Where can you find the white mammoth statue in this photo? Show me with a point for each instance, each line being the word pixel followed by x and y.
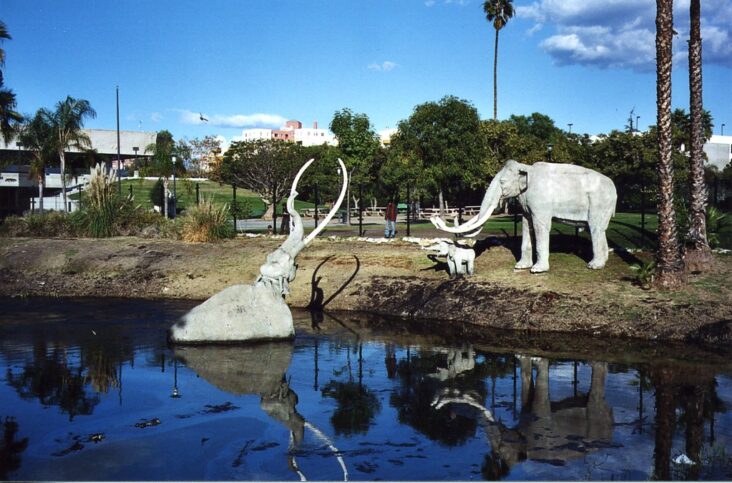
pixel 460 260
pixel 565 192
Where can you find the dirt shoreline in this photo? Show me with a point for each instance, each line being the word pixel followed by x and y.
pixel 394 279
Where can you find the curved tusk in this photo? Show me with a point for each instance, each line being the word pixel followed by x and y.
pixel 468 226
pixel 333 210
pixel 331 446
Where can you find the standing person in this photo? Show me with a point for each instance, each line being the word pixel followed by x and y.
pixel 390 217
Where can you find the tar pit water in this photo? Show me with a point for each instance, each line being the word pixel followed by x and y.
pixel 91 390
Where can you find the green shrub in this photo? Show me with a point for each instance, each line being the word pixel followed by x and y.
pixel 49 224
pixel 645 273
pixel 206 222
pixel 156 193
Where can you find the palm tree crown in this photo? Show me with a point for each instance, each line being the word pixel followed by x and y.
pixel 9 118
pixel 67 120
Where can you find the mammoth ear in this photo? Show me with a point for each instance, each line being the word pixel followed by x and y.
pixel 523 179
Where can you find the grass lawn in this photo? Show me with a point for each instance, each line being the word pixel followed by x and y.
pixel 186 191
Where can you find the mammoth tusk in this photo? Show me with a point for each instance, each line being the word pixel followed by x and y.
pixel 333 210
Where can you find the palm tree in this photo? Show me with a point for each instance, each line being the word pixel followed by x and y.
pixel 669 263
pixel 698 252
pixel 67 121
pixel 162 151
pixel 37 135
pixel 9 118
pixel 498 12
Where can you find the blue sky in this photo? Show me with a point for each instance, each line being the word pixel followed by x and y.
pixel 256 63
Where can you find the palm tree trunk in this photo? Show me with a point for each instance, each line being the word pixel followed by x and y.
pixel 669 262
pixel 698 254
pixel 40 194
pixel 165 197
pixel 495 77
pixel 62 155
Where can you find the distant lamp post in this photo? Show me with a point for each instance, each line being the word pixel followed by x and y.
pixel 637 125
pixel 135 149
pixel 723 124
pixel 549 148
pixel 570 127
pixel 175 193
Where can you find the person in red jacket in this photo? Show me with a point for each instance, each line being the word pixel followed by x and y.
pixel 390 216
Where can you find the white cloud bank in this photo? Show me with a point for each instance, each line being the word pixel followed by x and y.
pixel 621 33
pixel 385 66
pixel 240 121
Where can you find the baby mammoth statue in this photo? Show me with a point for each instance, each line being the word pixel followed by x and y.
pixel 460 260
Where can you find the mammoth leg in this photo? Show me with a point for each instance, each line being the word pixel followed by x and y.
pixel 599 220
pixel 470 264
pixel 542 227
pixel 527 249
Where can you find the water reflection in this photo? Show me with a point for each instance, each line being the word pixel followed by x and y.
pixel 11 447
pixel 385 403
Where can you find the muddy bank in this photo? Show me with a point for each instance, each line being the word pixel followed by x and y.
pixel 394 279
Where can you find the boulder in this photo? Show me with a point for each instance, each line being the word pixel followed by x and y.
pixel 237 313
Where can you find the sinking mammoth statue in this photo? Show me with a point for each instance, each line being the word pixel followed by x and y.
pixel 565 192
pixel 256 312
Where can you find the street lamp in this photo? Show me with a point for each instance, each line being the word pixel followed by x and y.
pixel 636 123
pixel 136 149
pixel 175 194
pixel 549 148
pixel 723 124
pixel 570 127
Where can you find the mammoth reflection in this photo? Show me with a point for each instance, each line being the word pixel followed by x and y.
pixel 551 431
pixel 259 370
pixel 444 395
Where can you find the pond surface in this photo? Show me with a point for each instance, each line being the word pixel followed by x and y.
pixel 90 390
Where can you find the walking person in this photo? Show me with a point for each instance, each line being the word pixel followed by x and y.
pixel 390 216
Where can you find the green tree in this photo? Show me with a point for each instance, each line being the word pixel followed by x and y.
pixel 669 262
pixel 497 12
pixel 37 136
pixel 161 162
pixel 266 167
pixel 67 121
pixel 444 137
pixel 359 146
pixel 9 118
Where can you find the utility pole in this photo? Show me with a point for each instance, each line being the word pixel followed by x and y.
pixel 119 162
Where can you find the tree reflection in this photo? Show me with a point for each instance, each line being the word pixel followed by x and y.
pixel 58 374
pixel 424 377
pixel 357 405
pixel 693 391
pixel 10 448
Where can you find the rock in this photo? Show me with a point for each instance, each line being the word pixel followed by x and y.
pixel 237 313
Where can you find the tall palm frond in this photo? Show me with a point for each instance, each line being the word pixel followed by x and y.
pixel 9 117
pixel 497 12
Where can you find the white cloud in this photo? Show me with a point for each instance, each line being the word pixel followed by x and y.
pixel 156 117
pixel 621 33
pixel 432 3
pixel 385 66
pixel 233 121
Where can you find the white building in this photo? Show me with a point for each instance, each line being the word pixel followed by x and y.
pixel 719 151
pixel 255 134
pixel 292 131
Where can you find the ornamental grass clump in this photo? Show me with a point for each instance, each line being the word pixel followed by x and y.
pixel 49 224
pixel 106 214
pixel 206 223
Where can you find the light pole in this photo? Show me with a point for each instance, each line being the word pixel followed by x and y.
pixel 175 194
pixel 549 148
pixel 636 123
pixel 119 160
pixel 723 124
pixel 570 127
pixel 136 149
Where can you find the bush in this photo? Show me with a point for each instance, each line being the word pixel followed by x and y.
pixel 156 193
pixel 206 223
pixel 49 224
